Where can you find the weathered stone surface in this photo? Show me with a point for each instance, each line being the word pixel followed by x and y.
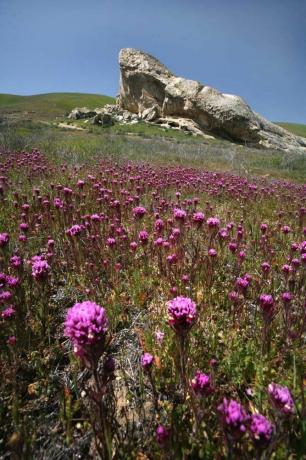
pixel 150 90
pixel 81 113
pixel 102 119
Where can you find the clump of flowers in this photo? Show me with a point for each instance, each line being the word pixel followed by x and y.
pixel 40 268
pixel 198 217
pixel 261 430
pixel 86 325
pixel 234 418
pixel 179 214
pixel 281 399
pixel 213 222
pixel 139 212
pixel 182 313
pixel 201 384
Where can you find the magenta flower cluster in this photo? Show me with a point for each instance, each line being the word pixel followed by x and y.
pixel 86 324
pixel 281 399
pixel 201 384
pixel 182 313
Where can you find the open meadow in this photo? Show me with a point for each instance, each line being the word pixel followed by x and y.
pixel 152 295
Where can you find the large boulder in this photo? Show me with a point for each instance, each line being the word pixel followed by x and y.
pixel 150 90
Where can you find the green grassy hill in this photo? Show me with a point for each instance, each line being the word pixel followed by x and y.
pixel 51 105
pixel 48 106
pixel 295 128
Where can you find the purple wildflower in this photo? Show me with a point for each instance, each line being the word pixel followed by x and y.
pixel 234 418
pixel 147 361
pixel 201 384
pixel 182 313
pixel 4 239
pixel 40 269
pixel 281 398
pixel 86 325
pixel 162 434
pixel 139 212
pixel 261 430
pixel 8 312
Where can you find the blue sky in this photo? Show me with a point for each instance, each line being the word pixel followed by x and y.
pixel 254 48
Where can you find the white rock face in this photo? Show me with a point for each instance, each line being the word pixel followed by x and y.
pixel 150 90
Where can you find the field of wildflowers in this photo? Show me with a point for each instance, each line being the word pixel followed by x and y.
pixel 150 312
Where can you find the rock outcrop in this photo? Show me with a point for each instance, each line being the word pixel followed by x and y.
pixel 149 90
pixel 81 113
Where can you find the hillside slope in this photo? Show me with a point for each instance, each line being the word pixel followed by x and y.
pixel 295 128
pixel 48 106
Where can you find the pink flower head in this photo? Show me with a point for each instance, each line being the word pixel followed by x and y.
pixel 4 239
pixel 159 336
pixel 95 218
pixel 158 242
pixel 198 217
pixel 40 269
pixel 8 312
pixel 86 325
pixel 213 222
pixel 234 418
pixel 16 261
pixel 147 361
pixel 11 340
pixel 133 246
pixel 58 203
pixel 5 296
pixel 80 183
pixel 281 398
pixel 267 303
pixel 242 284
pixel 111 242
pixel 232 246
pixel 212 252
pixel 179 214
pixel 286 297
pixel 162 434
pixel 182 313
pixel 172 259
pixel 263 228
pixel 75 230
pixel 201 384
pixel 266 267
pixel 233 296
pixel 286 229
pixel 139 212
pixel 261 430
pixel 143 236
pixel 159 225
pixel 12 281
pixel 286 269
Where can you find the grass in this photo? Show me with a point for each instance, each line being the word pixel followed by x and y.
pixel 150 143
pixel 48 106
pixel 295 128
